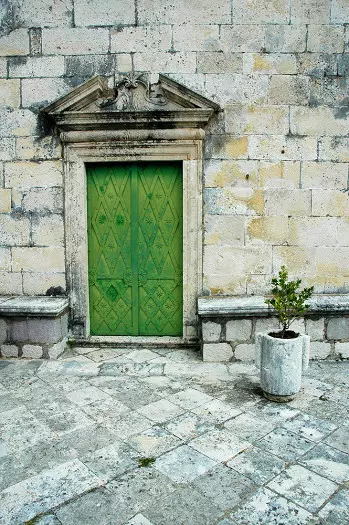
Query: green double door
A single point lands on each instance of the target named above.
(135, 248)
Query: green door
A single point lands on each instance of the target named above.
(135, 248)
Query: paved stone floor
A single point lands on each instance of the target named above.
(144, 437)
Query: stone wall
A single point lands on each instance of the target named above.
(225, 339)
(276, 168)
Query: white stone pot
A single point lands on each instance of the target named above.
(281, 362)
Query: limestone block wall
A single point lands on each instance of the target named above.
(276, 157)
(225, 339)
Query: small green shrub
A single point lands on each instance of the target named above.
(287, 301)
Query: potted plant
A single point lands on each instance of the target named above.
(282, 356)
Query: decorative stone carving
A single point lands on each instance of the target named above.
(135, 102)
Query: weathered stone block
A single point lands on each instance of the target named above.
(35, 41)
(195, 82)
(311, 11)
(146, 38)
(334, 148)
(43, 200)
(261, 12)
(258, 284)
(342, 349)
(315, 328)
(279, 174)
(331, 92)
(319, 121)
(233, 283)
(107, 13)
(211, 331)
(5, 259)
(267, 230)
(219, 62)
(298, 325)
(49, 259)
(15, 43)
(41, 330)
(226, 147)
(123, 62)
(3, 67)
(9, 350)
(241, 89)
(325, 39)
(64, 325)
(291, 148)
(14, 230)
(332, 203)
(33, 174)
(5, 200)
(294, 202)
(35, 13)
(286, 89)
(242, 38)
(75, 41)
(19, 330)
(35, 283)
(32, 351)
(320, 350)
(10, 283)
(299, 260)
(160, 62)
(181, 12)
(220, 352)
(313, 231)
(339, 12)
(285, 38)
(224, 230)
(343, 231)
(39, 92)
(234, 201)
(36, 148)
(89, 65)
(48, 231)
(22, 67)
(251, 120)
(327, 175)
(332, 261)
(238, 330)
(267, 324)
(10, 93)
(245, 352)
(270, 64)
(318, 64)
(224, 260)
(17, 123)
(57, 349)
(7, 148)
(3, 331)
(190, 37)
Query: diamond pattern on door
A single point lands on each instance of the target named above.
(135, 248)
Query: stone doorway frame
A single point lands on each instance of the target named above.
(91, 134)
(76, 156)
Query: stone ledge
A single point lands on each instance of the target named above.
(33, 306)
(254, 305)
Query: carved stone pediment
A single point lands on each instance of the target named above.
(136, 102)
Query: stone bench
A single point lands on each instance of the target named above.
(229, 326)
(33, 327)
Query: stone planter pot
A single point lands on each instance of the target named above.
(281, 362)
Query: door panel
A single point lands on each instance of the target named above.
(135, 248)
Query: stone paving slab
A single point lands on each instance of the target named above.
(155, 437)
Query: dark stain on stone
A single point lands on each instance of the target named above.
(45, 125)
(341, 112)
